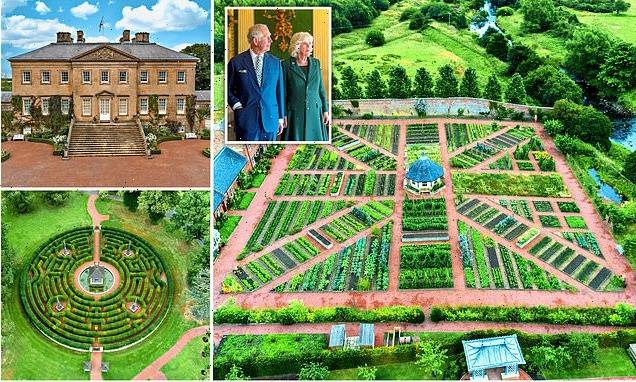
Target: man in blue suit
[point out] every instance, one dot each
(255, 89)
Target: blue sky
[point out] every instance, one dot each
(29, 24)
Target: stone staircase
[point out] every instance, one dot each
(106, 139)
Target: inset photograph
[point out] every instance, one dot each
(108, 285)
(90, 93)
(278, 75)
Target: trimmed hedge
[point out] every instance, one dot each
(290, 362)
(296, 313)
(621, 315)
(85, 321)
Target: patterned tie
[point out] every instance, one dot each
(259, 69)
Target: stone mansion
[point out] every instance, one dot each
(105, 82)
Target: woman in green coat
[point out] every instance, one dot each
(305, 98)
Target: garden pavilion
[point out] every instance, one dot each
(424, 176)
(484, 354)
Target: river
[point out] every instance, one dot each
(624, 128)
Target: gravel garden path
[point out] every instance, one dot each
(459, 295)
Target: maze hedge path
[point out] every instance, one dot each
(85, 321)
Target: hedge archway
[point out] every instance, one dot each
(71, 317)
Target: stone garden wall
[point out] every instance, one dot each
(468, 107)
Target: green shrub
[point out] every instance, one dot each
(375, 38)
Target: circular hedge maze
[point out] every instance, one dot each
(63, 311)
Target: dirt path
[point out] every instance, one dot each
(153, 371)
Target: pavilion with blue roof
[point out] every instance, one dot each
(228, 164)
(493, 353)
(424, 176)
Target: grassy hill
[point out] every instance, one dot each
(436, 46)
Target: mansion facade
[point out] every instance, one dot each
(105, 82)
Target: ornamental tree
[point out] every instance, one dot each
(470, 86)
(376, 87)
(350, 89)
(516, 91)
(446, 85)
(493, 88)
(423, 84)
(399, 83)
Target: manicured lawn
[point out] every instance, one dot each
(188, 363)
(258, 180)
(612, 362)
(394, 371)
(229, 226)
(27, 354)
(246, 200)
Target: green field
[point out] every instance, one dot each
(188, 363)
(27, 354)
(436, 46)
(544, 44)
(621, 26)
(612, 362)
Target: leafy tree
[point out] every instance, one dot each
(618, 72)
(548, 357)
(192, 214)
(367, 373)
(446, 85)
(497, 45)
(55, 198)
(516, 91)
(431, 357)
(19, 201)
(191, 110)
(376, 87)
(586, 52)
(493, 88)
(470, 86)
(375, 38)
(423, 84)
(399, 83)
(203, 74)
(554, 127)
(350, 89)
(236, 374)
(157, 203)
(199, 291)
(130, 200)
(313, 372)
(538, 15)
(219, 41)
(583, 122)
(408, 13)
(583, 348)
(419, 21)
(8, 260)
(522, 59)
(629, 170)
(621, 6)
(335, 91)
(547, 84)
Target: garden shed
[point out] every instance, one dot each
(424, 176)
(337, 336)
(366, 338)
(484, 354)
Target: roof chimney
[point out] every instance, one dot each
(80, 36)
(64, 37)
(142, 37)
(126, 36)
